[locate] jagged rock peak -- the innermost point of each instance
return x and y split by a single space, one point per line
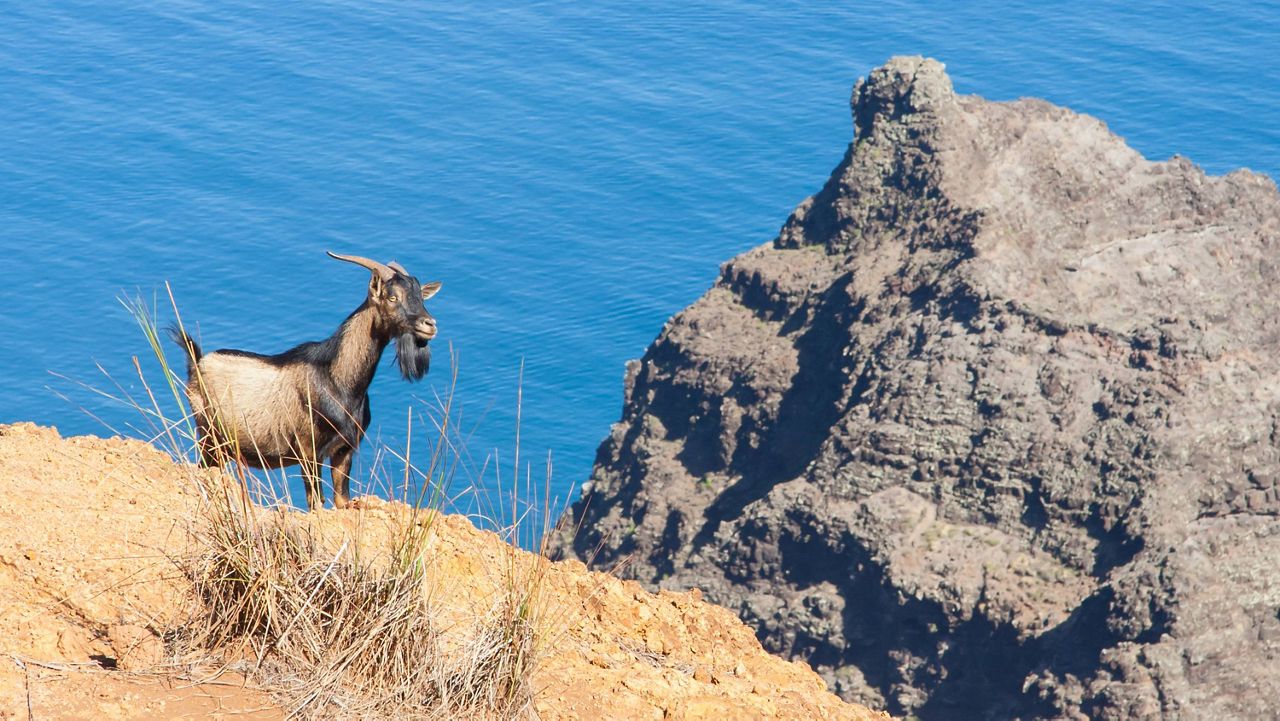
903 86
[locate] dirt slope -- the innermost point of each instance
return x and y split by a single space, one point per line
86 528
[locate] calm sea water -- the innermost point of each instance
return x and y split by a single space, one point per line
573 172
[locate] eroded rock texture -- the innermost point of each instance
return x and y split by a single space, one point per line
989 430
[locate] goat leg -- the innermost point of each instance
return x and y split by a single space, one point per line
312 483
341 464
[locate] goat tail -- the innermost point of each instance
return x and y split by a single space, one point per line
192 348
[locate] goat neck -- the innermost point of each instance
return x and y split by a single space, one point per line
360 341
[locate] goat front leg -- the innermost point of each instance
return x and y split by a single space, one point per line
340 461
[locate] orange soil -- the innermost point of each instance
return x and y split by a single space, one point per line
87 527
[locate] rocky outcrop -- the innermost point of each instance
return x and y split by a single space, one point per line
988 431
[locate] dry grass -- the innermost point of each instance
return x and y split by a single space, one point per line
349 629
334 617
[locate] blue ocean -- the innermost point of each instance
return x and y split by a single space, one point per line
573 172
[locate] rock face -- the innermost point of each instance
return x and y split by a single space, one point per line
989 431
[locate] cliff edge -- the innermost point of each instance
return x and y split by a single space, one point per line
89 595
988 431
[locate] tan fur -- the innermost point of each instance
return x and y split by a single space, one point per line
254 403
355 351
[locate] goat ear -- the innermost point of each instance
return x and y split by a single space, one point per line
430 289
375 287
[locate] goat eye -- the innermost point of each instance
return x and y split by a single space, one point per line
393 299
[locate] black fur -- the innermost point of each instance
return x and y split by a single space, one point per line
314 352
414 356
190 347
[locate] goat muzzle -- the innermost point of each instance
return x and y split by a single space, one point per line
424 329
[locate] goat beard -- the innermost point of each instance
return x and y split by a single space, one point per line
414 356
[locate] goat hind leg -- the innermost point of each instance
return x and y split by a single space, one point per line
312 485
211 452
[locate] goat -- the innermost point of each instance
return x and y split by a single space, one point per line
309 403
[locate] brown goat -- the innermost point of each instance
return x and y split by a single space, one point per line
310 403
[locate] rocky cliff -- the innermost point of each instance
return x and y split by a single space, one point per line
988 431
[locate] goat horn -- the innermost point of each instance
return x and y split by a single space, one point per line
397 268
384 273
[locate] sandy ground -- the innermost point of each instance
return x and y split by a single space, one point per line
87 530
